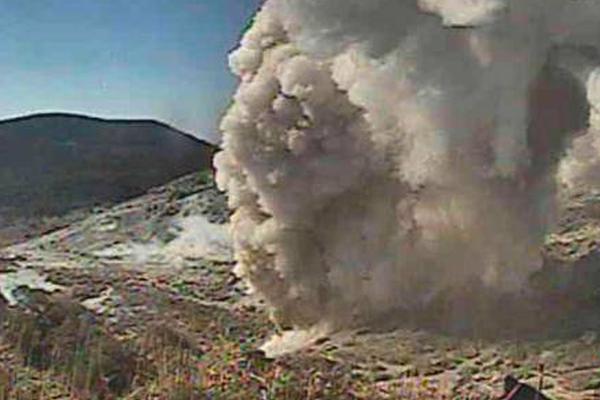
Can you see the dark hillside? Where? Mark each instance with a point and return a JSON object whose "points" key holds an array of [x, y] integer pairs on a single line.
{"points": [[54, 163]]}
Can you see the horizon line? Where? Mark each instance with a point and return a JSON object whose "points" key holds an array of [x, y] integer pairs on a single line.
{"points": [[37, 114]]}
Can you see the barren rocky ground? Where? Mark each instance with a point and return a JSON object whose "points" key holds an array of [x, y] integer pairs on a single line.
{"points": [[139, 302]]}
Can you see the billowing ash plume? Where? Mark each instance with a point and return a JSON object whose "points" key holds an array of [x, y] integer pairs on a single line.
{"points": [[379, 151]]}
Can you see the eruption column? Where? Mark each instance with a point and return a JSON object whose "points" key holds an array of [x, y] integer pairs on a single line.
{"points": [[380, 151]]}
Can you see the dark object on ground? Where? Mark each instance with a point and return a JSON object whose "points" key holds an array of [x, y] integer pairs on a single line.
{"points": [[515, 390], [3, 308]]}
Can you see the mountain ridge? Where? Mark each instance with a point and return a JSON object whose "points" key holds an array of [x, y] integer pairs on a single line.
{"points": [[64, 114], [52, 163]]}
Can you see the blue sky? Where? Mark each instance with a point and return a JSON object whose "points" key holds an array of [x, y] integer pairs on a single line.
{"points": [[160, 59]]}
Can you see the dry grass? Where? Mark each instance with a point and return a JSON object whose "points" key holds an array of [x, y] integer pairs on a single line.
{"points": [[193, 352]]}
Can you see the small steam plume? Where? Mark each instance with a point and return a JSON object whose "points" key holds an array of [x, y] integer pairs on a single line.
{"points": [[378, 152]]}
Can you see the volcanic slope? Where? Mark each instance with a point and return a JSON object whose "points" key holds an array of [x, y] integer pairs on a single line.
{"points": [[54, 163], [140, 301]]}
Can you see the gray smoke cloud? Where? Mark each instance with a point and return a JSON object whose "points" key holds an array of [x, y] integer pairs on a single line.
{"points": [[380, 151]]}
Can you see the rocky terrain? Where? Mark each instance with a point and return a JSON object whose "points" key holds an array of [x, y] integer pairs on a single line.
{"points": [[138, 301]]}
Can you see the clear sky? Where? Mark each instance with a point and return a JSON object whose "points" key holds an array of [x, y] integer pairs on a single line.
{"points": [[159, 59]]}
